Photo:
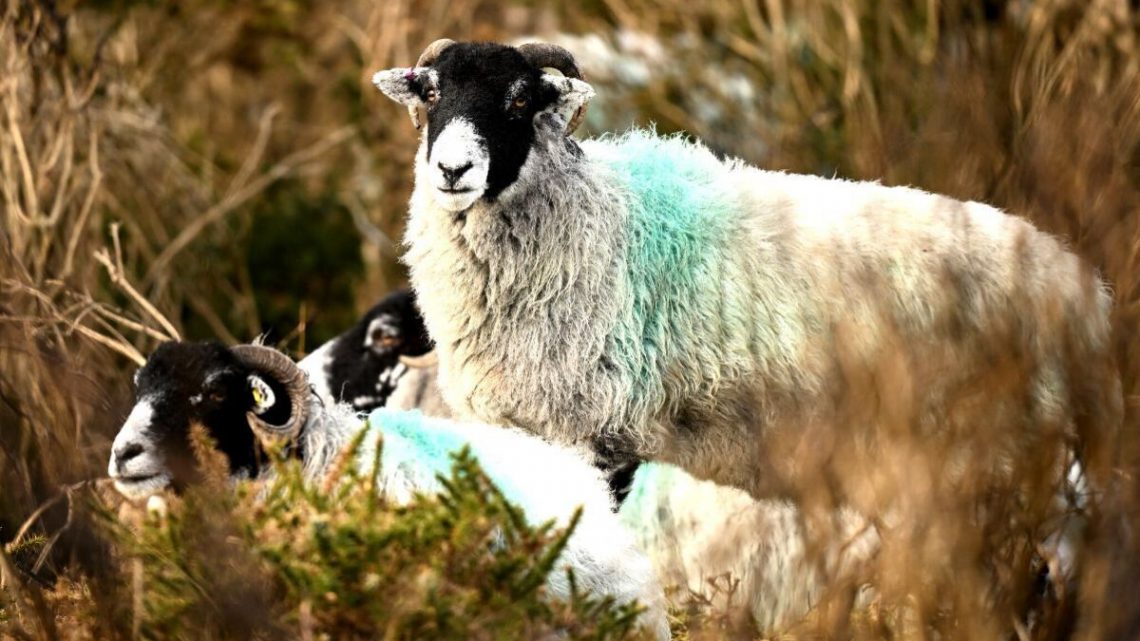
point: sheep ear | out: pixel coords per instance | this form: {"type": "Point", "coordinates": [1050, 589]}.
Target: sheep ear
{"type": "Point", "coordinates": [407, 86]}
{"type": "Point", "coordinates": [402, 84]}
{"type": "Point", "coordinates": [573, 93]}
{"type": "Point", "coordinates": [262, 393]}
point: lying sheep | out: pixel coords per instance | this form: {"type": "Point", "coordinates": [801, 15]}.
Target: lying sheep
{"type": "Point", "coordinates": [640, 294]}
{"type": "Point", "coordinates": [700, 535]}
{"type": "Point", "coordinates": [249, 392]}
{"type": "Point", "coordinates": [360, 366]}
{"type": "Point", "coordinates": [707, 539]}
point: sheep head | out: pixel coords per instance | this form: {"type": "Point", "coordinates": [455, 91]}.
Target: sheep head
{"type": "Point", "coordinates": [238, 395]}
{"type": "Point", "coordinates": [362, 364]}
{"type": "Point", "coordinates": [487, 105]}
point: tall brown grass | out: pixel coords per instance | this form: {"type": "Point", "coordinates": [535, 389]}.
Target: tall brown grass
{"type": "Point", "coordinates": [137, 142]}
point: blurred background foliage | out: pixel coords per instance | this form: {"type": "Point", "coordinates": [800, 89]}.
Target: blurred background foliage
{"type": "Point", "coordinates": [212, 169]}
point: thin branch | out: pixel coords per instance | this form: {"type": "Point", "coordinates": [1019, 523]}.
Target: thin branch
{"type": "Point", "coordinates": [368, 229]}
{"type": "Point", "coordinates": [88, 205]}
{"type": "Point", "coordinates": [115, 271]}
{"type": "Point", "coordinates": [239, 197]}
{"type": "Point", "coordinates": [264, 128]}
{"type": "Point", "coordinates": [57, 317]}
{"type": "Point", "coordinates": [106, 313]}
{"type": "Point", "coordinates": [122, 348]}
{"type": "Point", "coordinates": [30, 196]}
{"type": "Point", "coordinates": [211, 317]}
{"type": "Point", "coordinates": [31, 520]}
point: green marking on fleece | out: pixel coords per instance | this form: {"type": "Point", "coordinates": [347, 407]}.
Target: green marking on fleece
{"type": "Point", "coordinates": [412, 438]}
{"type": "Point", "coordinates": [678, 224]}
{"type": "Point", "coordinates": [641, 504]}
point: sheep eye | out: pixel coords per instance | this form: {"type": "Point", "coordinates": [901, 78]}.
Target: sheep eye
{"type": "Point", "coordinates": [217, 397]}
{"type": "Point", "coordinates": [519, 103]}
{"type": "Point", "coordinates": [432, 96]}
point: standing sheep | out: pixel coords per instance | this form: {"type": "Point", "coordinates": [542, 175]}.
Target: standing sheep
{"type": "Point", "coordinates": [637, 293]}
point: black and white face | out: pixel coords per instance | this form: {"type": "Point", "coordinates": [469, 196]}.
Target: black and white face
{"type": "Point", "coordinates": [180, 385]}
{"type": "Point", "coordinates": [362, 365]}
{"type": "Point", "coordinates": [483, 103]}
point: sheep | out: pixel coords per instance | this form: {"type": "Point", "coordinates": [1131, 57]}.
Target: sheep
{"type": "Point", "coordinates": [694, 531]}
{"type": "Point", "coordinates": [637, 293]}
{"type": "Point", "coordinates": [360, 366]}
{"type": "Point", "coordinates": [250, 393]}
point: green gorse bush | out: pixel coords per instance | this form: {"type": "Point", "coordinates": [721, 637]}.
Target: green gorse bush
{"type": "Point", "coordinates": [284, 558]}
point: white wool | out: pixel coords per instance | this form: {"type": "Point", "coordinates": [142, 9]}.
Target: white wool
{"type": "Point", "coordinates": [316, 367]}
{"type": "Point", "coordinates": [695, 531]}
{"type": "Point", "coordinates": [547, 481]}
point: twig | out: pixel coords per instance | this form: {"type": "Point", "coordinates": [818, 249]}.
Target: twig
{"type": "Point", "coordinates": [305, 616]}
{"type": "Point", "coordinates": [239, 197]}
{"type": "Point", "coordinates": [42, 558]}
{"type": "Point", "coordinates": [62, 191]}
{"type": "Point", "coordinates": [122, 348]}
{"type": "Point", "coordinates": [264, 127]}
{"type": "Point", "coordinates": [105, 312]}
{"type": "Point", "coordinates": [211, 317]}
{"type": "Point", "coordinates": [30, 196]}
{"type": "Point", "coordinates": [85, 210]}
{"type": "Point", "coordinates": [108, 329]}
{"type": "Point", "coordinates": [35, 516]}
{"type": "Point", "coordinates": [370, 231]}
{"type": "Point", "coordinates": [352, 31]}
{"type": "Point", "coordinates": [115, 271]}
{"type": "Point", "coordinates": [136, 597]}
{"type": "Point", "coordinates": [298, 331]}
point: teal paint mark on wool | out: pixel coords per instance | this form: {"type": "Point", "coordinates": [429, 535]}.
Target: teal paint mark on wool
{"type": "Point", "coordinates": [410, 438]}
{"type": "Point", "coordinates": [642, 503]}
{"type": "Point", "coordinates": [406, 437]}
{"type": "Point", "coordinates": [679, 222]}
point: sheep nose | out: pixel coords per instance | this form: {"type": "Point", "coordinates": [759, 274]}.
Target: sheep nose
{"type": "Point", "coordinates": [126, 453]}
{"type": "Point", "coordinates": [452, 173]}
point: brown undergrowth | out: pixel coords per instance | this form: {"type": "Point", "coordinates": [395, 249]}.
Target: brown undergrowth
{"type": "Point", "coordinates": [156, 159]}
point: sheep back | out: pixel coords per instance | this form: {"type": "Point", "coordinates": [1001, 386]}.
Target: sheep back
{"type": "Point", "coordinates": [548, 482]}
{"type": "Point", "coordinates": [706, 313]}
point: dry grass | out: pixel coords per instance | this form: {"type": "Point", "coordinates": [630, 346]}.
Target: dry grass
{"type": "Point", "coordinates": [136, 142]}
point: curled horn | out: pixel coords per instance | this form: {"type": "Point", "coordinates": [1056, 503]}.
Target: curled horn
{"type": "Point", "coordinates": [426, 59]}
{"type": "Point", "coordinates": [542, 55]}
{"type": "Point", "coordinates": [423, 361]}
{"type": "Point", "coordinates": [282, 369]}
